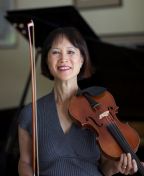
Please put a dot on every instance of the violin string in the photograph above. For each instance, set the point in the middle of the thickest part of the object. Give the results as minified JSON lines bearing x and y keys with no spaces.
{"x":34,"y":105}
{"x":125,"y":146}
{"x":112,"y":124}
{"x":113,"y":128}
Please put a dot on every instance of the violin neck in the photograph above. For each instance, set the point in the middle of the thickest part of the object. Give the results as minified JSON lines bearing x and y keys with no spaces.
{"x":114,"y":130}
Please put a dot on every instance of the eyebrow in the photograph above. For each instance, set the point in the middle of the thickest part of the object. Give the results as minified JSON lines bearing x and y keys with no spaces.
{"x":55,"y":49}
{"x":71,"y":47}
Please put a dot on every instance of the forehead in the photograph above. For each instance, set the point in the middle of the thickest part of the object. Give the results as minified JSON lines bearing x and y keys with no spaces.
{"x":60,"y":39}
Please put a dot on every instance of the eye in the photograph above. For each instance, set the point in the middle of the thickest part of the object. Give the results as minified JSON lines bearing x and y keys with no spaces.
{"x":71,"y":52}
{"x":55,"y":52}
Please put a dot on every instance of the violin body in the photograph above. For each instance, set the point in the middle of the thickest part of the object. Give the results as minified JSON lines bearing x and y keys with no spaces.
{"x":113,"y":136}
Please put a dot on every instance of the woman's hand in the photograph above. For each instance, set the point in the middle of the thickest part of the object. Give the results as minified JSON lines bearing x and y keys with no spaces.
{"x":127,"y":165}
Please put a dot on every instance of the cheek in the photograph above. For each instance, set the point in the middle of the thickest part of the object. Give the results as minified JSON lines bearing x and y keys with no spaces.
{"x":80,"y":62}
{"x":78,"y":66}
{"x":77,"y":60}
{"x":52,"y":65}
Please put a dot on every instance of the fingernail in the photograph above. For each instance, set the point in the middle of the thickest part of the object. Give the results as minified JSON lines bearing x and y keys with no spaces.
{"x":128,"y":154}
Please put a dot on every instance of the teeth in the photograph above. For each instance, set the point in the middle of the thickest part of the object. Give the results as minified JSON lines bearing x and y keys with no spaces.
{"x":64,"y":67}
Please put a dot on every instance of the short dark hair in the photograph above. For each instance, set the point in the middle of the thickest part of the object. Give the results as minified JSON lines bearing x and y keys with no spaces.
{"x":74,"y":36}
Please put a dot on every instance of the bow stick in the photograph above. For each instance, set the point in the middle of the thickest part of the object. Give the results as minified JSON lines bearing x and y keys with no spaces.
{"x":35,"y":159}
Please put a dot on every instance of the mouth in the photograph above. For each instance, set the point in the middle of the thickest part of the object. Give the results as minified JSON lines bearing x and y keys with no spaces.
{"x":64,"y":68}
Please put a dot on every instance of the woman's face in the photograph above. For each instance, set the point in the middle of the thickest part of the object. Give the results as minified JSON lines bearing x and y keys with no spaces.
{"x":64,"y":60}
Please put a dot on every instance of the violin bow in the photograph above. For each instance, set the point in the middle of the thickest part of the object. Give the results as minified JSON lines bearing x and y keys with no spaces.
{"x":35,"y":157}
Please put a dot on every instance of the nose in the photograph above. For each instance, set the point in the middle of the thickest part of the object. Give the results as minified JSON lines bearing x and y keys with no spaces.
{"x":63,"y":58}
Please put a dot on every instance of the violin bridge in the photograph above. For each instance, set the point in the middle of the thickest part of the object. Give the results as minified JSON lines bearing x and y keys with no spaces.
{"x":104,"y":114}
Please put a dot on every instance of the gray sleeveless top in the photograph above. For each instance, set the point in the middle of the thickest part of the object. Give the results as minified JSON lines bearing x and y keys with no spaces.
{"x":72,"y":154}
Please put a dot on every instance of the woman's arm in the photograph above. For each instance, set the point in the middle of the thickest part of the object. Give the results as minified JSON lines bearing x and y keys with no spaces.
{"x":24,"y":165}
{"x":126,"y":165}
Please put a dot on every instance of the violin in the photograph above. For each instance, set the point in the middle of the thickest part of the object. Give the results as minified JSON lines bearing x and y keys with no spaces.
{"x":98,"y":113}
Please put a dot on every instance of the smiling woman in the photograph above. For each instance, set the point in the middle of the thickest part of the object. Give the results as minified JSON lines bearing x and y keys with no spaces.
{"x":64,"y":147}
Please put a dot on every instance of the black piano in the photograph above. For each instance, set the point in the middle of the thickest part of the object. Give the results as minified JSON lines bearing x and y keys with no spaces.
{"x":120,"y":69}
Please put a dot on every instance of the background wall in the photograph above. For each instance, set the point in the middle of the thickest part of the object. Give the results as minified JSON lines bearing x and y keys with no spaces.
{"x":14,"y":61}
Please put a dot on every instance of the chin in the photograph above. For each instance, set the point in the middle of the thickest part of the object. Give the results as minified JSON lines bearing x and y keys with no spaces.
{"x":66,"y":78}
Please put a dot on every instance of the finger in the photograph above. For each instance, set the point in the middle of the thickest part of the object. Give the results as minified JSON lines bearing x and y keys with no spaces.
{"x":129,"y":166}
{"x":125,"y":161}
{"x":121,"y":159}
{"x":134,"y":164}
{"x":134,"y":167}
{"x":122,"y":163}
{"x":129,"y":161}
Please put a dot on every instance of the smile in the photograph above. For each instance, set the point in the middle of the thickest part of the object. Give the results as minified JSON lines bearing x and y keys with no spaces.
{"x":63,"y":68}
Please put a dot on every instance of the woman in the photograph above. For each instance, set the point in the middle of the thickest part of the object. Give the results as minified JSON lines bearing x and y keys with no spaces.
{"x":64,"y":148}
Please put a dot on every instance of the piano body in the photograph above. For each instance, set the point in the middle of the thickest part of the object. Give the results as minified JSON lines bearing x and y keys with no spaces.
{"x":118,"y":68}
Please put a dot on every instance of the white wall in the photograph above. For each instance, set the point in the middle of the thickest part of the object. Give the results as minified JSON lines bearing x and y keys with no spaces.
{"x":14,"y":62}
{"x":127,"y":18}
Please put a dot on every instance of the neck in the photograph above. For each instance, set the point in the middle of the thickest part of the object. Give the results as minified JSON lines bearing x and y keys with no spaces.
{"x":64,"y":91}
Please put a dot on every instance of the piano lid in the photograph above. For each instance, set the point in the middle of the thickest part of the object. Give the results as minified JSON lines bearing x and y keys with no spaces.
{"x":47,"y":19}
